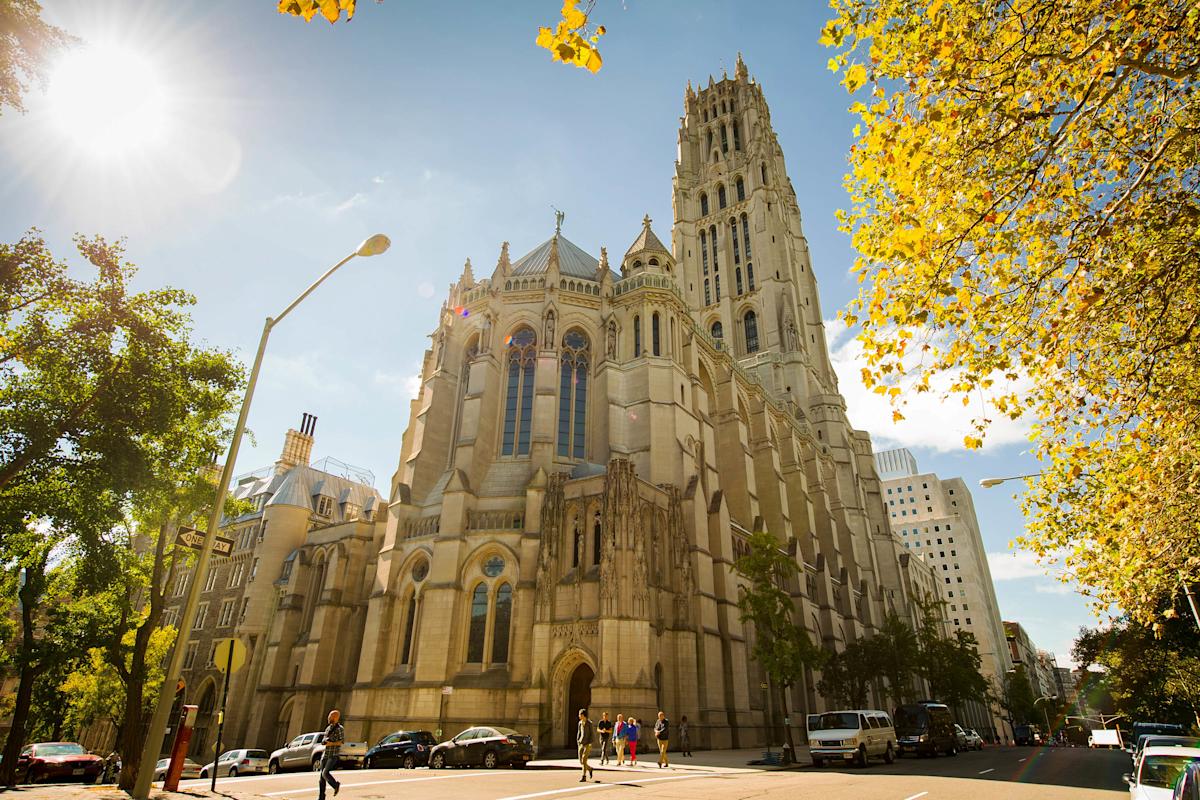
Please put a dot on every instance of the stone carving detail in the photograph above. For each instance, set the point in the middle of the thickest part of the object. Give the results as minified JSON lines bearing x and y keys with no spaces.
{"x":422,"y":526}
{"x":549,"y":341}
{"x":610,"y":344}
{"x":681,"y":558}
{"x":495,"y":520}
{"x":791,"y":332}
{"x":617,"y":514}
{"x":553,"y":508}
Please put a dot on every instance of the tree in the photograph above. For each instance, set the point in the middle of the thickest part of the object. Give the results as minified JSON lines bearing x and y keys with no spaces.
{"x":950,"y":664}
{"x":846,"y":676}
{"x":1149,"y":674}
{"x":896,"y":654}
{"x":1025,"y":199}
{"x":105,"y":406}
{"x":1017,"y":697}
{"x":781,"y":647}
{"x":26,"y":46}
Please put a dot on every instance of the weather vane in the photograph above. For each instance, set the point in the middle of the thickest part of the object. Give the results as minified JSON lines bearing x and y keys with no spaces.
{"x":559,"y":216}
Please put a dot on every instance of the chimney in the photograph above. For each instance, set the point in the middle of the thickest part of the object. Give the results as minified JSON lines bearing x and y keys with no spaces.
{"x":297,"y":444}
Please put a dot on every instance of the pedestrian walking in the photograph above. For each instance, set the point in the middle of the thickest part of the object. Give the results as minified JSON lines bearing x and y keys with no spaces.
{"x":335,"y":737}
{"x":619,"y":739}
{"x":584,"y":738}
{"x":662,"y":735}
{"x":632,"y":732}
{"x":685,"y":742}
{"x":605,"y":727}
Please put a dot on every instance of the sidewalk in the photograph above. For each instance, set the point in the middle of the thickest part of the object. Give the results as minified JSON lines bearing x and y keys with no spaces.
{"x":725,"y":761}
{"x":109,"y":792}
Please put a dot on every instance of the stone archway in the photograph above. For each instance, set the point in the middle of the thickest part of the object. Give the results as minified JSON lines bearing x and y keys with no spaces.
{"x":579,"y":695}
{"x":205,"y":723}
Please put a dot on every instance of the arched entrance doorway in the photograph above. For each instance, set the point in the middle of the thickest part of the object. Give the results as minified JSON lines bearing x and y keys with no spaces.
{"x":204,"y":718}
{"x":579,"y":695}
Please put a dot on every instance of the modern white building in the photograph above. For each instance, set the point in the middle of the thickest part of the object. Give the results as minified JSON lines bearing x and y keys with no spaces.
{"x":935,"y":520}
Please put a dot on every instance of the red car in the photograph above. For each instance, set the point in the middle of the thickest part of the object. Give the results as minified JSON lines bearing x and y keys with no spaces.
{"x":57,"y":762}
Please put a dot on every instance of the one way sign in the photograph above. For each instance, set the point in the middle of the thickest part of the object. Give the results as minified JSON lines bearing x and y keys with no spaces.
{"x":190,"y":537}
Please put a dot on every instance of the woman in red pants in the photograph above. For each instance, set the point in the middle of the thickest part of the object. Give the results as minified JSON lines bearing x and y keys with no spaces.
{"x":632,"y":731}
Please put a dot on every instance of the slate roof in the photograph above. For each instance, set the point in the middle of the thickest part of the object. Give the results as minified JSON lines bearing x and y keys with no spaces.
{"x":647,"y":241}
{"x":573,"y":261}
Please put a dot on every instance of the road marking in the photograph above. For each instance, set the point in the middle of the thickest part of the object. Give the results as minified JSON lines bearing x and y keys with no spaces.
{"x":986,"y":771}
{"x":377,"y":783}
{"x":586,"y":787}
{"x":915,"y":796}
{"x":1019,"y":760}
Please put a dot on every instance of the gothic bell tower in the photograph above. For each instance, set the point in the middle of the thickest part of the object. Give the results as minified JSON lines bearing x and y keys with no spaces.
{"x":743,"y":260}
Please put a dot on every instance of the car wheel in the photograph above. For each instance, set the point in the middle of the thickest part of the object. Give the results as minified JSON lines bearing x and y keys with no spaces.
{"x":818,"y":762}
{"x":860,"y":758}
{"x":233,"y":772}
{"x":410,"y":762}
{"x":953,"y":751}
{"x":437,"y":761}
{"x":518,"y":765}
{"x":273,"y":768}
{"x":368,"y":764}
{"x":889,"y":755}
{"x":316,"y":765}
{"x":490,"y":761}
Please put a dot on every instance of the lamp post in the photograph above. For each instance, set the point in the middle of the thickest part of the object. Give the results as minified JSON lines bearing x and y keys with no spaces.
{"x":1046,"y":713}
{"x":988,"y":483}
{"x":372,"y":246}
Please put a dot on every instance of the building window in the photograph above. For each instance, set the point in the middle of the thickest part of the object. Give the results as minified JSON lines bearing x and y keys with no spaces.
{"x":189,"y":658}
{"x":703,"y":204}
{"x":253,"y":568}
{"x":968,"y":618}
{"x":324,"y":506}
{"x":501,"y":623}
{"x":410,"y":622}
{"x":235,"y":575}
{"x":737,"y":139}
{"x":572,"y":398}
{"x":597,"y":541}
{"x":717,"y":284}
{"x":746,"y":238}
{"x":637,"y":336}
{"x":707,"y":293}
{"x":654,"y":336}
{"x":704,"y":251}
{"x":712,"y":238}
{"x":737,"y":258}
{"x":737,"y":279}
{"x":226,"y":613}
{"x":479,"y":607}
{"x":710,"y":141}
{"x":518,"y":412}
{"x":740,"y":185}
{"x":721,"y":201}
{"x":201,"y":616}
{"x":717,"y":330}
{"x":724,"y":144}
{"x":316,"y":586}
{"x":210,"y":581}
{"x":750,"y":326}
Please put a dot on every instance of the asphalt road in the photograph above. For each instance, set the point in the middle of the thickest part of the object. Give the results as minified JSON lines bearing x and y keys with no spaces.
{"x":993,"y":774}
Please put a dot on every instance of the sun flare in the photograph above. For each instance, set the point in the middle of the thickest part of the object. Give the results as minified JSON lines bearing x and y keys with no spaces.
{"x":108,"y":101}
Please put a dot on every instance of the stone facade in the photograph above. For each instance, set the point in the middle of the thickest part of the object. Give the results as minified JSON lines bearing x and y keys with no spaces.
{"x":589,"y":450}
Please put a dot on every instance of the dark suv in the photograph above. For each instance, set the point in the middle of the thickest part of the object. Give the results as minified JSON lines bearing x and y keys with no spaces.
{"x":407,"y":749}
{"x":925,"y":728}
{"x":483,"y":747}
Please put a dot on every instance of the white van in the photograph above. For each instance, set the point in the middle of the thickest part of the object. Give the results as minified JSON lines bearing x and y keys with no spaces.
{"x":853,"y":735}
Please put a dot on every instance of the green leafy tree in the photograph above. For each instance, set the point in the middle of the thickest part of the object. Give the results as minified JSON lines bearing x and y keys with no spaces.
{"x":846,"y":677}
{"x":26,"y":47}
{"x":781,"y":646}
{"x":105,"y":406}
{"x":1017,"y":697}
{"x":1025,"y":200}
{"x":897,"y":656}
{"x":949,"y":663}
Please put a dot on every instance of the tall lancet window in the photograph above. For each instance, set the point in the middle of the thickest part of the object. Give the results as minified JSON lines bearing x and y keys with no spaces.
{"x":704,"y":251}
{"x":741,"y":187}
{"x":572,"y":395}
{"x":746,"y":236}
{"x":750,"y":327}
{"x":501,"y":624}
{"x":737,"y":257}
{"x":518,"y":408}
{"x":655,"y":341}
{"x":478,"y":626}
{"x":737,"y":137}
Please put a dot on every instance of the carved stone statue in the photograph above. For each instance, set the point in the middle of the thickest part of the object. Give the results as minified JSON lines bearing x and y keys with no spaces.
{"x":790,"y":331}
{"x":610,"y":345}
{"x":440,"y":343}
{"x":549,"y":328}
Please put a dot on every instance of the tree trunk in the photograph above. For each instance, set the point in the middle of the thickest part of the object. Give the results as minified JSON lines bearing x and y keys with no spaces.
{"x":16,"y":735}
{"x":787,"y":729}
{"x":132,"y":731}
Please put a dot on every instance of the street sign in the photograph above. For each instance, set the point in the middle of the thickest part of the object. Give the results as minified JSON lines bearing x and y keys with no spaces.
{"x":447,"y":690}
{"x":190,"y":537}
{"x":223,"y":659}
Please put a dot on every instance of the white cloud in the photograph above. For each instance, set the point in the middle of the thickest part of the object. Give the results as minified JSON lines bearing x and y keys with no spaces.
{"x":1054,"y":588}
{"x":404,"y":385}
{"x":378,"y":179}
{"x":1014,"y":565}
{"x":929,"y":421}
{"x":356,"y":199}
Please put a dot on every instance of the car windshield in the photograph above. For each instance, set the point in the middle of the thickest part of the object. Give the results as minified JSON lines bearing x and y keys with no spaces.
{"x":1168,"y":741}
{"x":911,"y":720}
{"x":59,"y":750}
{"x":1163,"y":772}
{"x":837,"y":721}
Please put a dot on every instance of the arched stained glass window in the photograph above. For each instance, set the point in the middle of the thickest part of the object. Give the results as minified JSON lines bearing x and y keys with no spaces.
{"x":750,"y":275}
{"x":703,"y":204}
{"x":478,"y":627}
{"x":740,"y":185}
{"x":737,"y":138}
{"x":724,"y":140}
{"x":707,"y":293}
{"x":410,"y":622}
{"x":718,"y":331}
{"x":750,"y":326}
{"x":717,"y":286}
{"x":738,"y":279}
{"x":502,"y":624}
{"x":572,"y":394}
{"x":733,"y":237}
{"x":655,"y":340}
{"x":721,"y":199}
{"x":597,"y":541}
{"x":518,"y":409}
{"x":637,"y":336}
{"x":704,"y":251}
{"x":712,"y":238}
{"x":746,"y":236}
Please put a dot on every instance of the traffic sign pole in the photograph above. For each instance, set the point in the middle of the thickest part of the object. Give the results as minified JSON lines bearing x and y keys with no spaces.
{"x":221,"y":719}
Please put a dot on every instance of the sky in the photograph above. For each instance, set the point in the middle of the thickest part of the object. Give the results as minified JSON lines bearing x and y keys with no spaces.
{"x":272,"y":147}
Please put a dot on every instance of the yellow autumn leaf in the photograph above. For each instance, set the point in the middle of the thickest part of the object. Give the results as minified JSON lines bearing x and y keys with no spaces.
{"x":856,"y":76}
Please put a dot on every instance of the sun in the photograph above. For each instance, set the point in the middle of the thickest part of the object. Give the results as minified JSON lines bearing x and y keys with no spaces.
{"x":108,"y":101}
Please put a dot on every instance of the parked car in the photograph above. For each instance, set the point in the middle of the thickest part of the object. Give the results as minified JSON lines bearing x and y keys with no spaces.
{"x":305,"y":751}
{"x":854,"y":735}
{"x":407,"y":749}
{"x":974,"y":741}
{"x":1027,"y":735}
{"x":1188,"y":787}
{"x":190,"y":769}
{"x":925,"y":728}
{"x":1159,"y":770}
{"x":237,"y":762}
{"x":58,"y":761}
{"x":482,"y":746}
{"x":1152,"y":740}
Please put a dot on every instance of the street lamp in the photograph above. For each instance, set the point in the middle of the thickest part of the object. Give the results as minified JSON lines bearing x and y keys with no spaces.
{"x":372,"y":246}
{"x":1046,"y":713}
{"x":988,"y":483}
